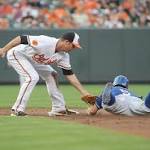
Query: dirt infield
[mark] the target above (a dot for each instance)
(139, 125)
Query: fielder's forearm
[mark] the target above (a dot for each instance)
(16, 41)
(75, 82)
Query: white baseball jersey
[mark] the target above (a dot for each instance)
(41, 50)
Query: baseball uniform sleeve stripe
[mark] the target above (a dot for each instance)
(67, 72)
(24, 39)
(26, 73)
(64, 67)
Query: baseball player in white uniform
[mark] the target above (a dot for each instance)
(117, 99)
(31, 57)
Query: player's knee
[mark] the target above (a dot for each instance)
(49, 77)
(35, 78)
(54, 74)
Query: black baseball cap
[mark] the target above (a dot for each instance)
(73, 38)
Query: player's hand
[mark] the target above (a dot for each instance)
(92, 110)
(89, 99)
(2, 53)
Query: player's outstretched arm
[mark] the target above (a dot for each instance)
(14, 42)
(76, 83)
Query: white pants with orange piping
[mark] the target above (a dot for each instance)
(30, 73)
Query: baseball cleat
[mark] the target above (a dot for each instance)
(71, 111)
(19, 113)
(13, 113)
(53, 113)
(63, 113)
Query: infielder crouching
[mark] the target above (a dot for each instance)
(117, 99)
(31, 57)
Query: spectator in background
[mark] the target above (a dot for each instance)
(74, 13)
(4, 24)
(94, 18)
(80, 18)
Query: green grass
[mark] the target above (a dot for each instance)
(40, 98)
(44, 134)
(38, 133)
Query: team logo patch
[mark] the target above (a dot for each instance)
(35, 42)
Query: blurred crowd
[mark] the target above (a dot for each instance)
(47, 14)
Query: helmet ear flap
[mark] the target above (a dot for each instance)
(121, 81)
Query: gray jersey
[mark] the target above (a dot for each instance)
(126, 103)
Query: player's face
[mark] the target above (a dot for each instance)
(67, 46)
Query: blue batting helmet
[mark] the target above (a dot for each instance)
(121, 81)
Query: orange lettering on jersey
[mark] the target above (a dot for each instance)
(42, 59)
(35, 42)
